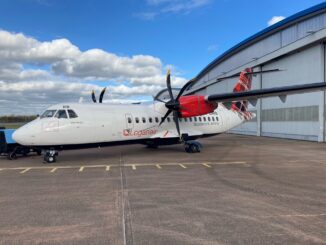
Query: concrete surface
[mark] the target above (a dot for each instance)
(239, 190)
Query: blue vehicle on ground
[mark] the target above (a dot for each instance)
(11, 149)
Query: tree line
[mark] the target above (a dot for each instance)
(17, 119)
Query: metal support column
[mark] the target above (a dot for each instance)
(259, 103)
(321, 134)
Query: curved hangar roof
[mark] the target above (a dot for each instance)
(289, 30)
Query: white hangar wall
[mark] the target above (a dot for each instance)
(296, 46)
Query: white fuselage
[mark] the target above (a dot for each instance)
(99, 123)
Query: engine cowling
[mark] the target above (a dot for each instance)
(195, 105)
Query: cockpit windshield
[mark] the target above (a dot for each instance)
(48, 113)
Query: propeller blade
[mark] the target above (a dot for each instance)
(183, 89)
(165, 116)
(93, 96)
(101, 95)
(168, 84)
(176, 120)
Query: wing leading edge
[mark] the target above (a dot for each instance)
(253, 95)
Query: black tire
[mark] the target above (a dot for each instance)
(193, 148)
(187, 148)
(49, 159)
(12, 156)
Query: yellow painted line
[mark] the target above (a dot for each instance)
(133, 165)
(182, 166)
(206, 165)
(53, 170)
(25, 170)
(107, 168)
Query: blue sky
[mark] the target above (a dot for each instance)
(184, 34)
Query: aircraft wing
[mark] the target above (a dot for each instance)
(253, 95)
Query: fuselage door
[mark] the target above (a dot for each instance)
(129, 121)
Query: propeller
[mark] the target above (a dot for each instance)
(101, 95)
(173, 104)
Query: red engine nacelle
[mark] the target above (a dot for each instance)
(195, 105)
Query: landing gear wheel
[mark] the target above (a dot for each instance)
(12, 156)
(50, 156)
(193, 147)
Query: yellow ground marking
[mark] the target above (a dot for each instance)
(133, 165)
(182, 166)
(53, 170)
(206, 165)
(25, 170)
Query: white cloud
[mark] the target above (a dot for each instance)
(35, 73)
(159, 7)
(275, 19)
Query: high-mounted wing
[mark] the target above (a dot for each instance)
(267, 92)
(197, 105)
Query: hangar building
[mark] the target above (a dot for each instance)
(295, 45)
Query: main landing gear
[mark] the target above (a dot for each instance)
(193, 146)
(50, 156)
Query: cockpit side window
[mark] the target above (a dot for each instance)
(61, 114)
(48, 113)
(72, 114)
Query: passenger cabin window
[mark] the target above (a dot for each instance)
(186, 119)
(209, 119)
(204, 119)
(190, 119)
(129, 120)
(168, 119)
(61, 114)
(195, 119)
(72, 114)
(213, 119)
(144, 120)
(156, 119)
(199, 118)
(150, 120)
(48, 113)
(137, 120)
(216, 118)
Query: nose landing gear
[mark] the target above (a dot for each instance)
(50, 156)
(193, 147)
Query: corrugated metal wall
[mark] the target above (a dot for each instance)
(301, 116)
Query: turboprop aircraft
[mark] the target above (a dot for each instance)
(172, 118)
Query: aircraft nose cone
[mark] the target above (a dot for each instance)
(18, 137)
(21, 137)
